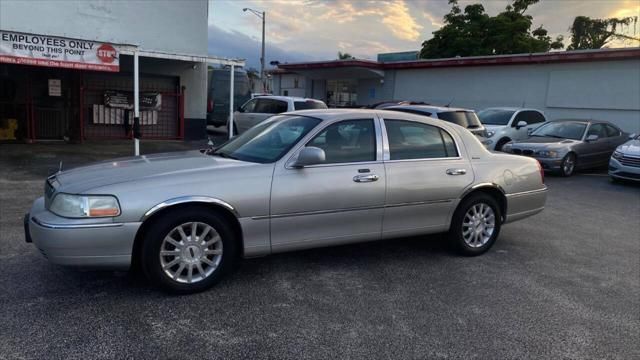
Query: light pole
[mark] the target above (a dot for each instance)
(262, 16)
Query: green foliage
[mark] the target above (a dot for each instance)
(588, 33)
(344, 56)
(475, 33)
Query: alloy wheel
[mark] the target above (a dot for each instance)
(191, 252)
(478, 225)
(568, 164)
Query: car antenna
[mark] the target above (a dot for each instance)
(449, 104)
(524, 102)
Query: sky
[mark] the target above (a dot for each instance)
(308, 30)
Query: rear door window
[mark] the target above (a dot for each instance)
(612, 131)
(414, 140)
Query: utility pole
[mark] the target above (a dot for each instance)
(262, 15)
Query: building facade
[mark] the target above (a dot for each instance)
(594, 84)
(66, 68)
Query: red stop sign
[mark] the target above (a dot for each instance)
(106, 53)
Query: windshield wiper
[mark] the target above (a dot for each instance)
(223, 155)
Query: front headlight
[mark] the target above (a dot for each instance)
(85, 206)
(618, 154)
(547, 153)
(490, 133)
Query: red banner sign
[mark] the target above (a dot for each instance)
(51, 51)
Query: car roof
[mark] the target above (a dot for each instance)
(285, 98)
(511, 108)
(428, 108)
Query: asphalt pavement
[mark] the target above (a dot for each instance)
(562, 284)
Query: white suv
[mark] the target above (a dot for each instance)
(504, 124)
(261, 108)
(464, 117)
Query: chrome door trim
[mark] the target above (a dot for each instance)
(323, 212)
(188, 199)
(530, 192)
(73, 226)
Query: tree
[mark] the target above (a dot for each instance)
(344, 56)
(475, 33)
(588, 33)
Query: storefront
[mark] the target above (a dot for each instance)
(57, 88)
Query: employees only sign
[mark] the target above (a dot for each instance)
(51, 51)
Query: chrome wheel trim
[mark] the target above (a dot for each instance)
(191, 252)
(568, 165)
(478, 225)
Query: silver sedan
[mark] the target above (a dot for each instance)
(296, 181)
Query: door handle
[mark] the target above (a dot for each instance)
(365, 178)
(456, 171)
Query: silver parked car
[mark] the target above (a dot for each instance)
(625, 161)
(262, 107)
(300, 180)
(566, 145)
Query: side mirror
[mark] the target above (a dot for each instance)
(592, 137)
(521, 124)
(632, 136)
(309, 155)
(240, 109)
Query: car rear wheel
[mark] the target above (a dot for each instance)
(188, 251)
(568, 165)
(475, 225)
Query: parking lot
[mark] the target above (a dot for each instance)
(562, 284)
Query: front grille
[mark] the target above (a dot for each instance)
(527, 152)
(629, 161)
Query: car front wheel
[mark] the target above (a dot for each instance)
(188, 251)
(568, 165)
(475, 225)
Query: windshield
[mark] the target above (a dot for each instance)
(465, 119)
(309, 104)
(562, 129)
(268, 141)
(495, 117)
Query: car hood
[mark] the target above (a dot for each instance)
(139, 168)
(543, 141)
(494, 127)
(631, 147)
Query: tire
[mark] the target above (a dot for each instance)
(501, 143)
(190, 271)
(482, 236)
(568, 165)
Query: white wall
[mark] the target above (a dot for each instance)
(607, 90)
(160, 25)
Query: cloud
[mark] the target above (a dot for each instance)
(400, 22)
(234, 44)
